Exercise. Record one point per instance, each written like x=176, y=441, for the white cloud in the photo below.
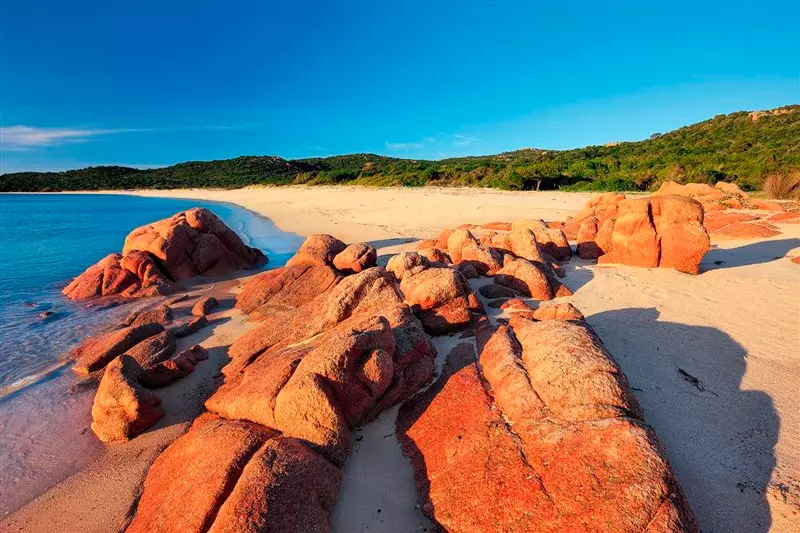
x=463, y=140
x=403, y=146
x=27, y=137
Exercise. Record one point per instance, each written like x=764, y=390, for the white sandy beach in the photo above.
x=733, y=439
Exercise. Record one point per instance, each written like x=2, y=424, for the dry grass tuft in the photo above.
x=783, y=185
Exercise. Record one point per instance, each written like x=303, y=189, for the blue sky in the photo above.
x=153, y=83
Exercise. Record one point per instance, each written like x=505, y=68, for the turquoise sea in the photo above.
x=47, y=239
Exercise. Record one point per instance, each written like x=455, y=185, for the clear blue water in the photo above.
x=47, y=239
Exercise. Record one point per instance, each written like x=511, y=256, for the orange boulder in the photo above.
x=355, y=258
x=122, y=408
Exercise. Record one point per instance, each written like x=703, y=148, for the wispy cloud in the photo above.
x=463, y=140
x=439, y=141
x=403, y=146
x=27, y=137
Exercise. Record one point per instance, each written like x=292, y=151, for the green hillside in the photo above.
x=740, y=147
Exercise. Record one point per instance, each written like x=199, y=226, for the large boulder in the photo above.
x=193, y=242
x=285, y=486
x=634, y=241
x=525, y=277
x=368, y=292
x=188, y=244
x=161, y=314
x=401, y=263
x=463, y=247
x=553, y=241
x=553, y=442
x=106, y=278
x=665, y=231
x=440, y=297
x=355, y=258
x=317, y=250
x=192, y=478
x=204, y=306
x=683, y=240
x=96, y=352
x=285, y=288
x=155, y=349
x=318, y=394
x=122, y=408
x=232, y=475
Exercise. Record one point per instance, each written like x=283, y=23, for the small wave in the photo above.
x=32, y=379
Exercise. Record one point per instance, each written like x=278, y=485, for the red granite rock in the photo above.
x=96, y=352
x=355, y=258
x=285, y=288
x=192, y=243
x=161, y=314
x=560, y=311
x=633, y=241
x=682, y=239
x=525, y=277
x=317, y=250
x=718, y=219
x=502, y=226
x=553, y=442
x=401, y=263
x=204, y=306
x=154, y=349
x=440, y=297
x=106, y=278
x=189, y=482
x=435, y=255
x=122, y=408
x=285, y=486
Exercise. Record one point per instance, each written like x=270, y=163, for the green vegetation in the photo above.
x=740, y=147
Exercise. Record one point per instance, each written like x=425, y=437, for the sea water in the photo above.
x=47, y=239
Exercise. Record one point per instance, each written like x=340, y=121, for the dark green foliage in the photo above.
x=733, y=148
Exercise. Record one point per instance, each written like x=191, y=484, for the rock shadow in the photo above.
x=385, y=243
x=719, y=438
x=754, y=253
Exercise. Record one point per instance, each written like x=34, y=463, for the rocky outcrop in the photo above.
x=463, y=247
x=285, y=288
x=154, y=349
x=401, y=263
x=188, y=244
x=232, y=475
x=166, y=372
x=553, y=242
x=660, y=231
x=525, y=277
x=192, y=243
x=280, y=428
x=161, y=314
x=204, y=306
x=96, y=352
x=122, y=408
x=317, y=250
x=355, y=258
x=440, y=297
x=542, y=429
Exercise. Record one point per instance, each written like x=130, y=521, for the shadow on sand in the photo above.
x=718, y=437
x=754, y=253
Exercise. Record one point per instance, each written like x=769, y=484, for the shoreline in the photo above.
x=732, y=445
x=60, y=404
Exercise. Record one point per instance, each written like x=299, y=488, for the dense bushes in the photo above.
x=739, y=147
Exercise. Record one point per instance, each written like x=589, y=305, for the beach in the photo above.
x=713, y=359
